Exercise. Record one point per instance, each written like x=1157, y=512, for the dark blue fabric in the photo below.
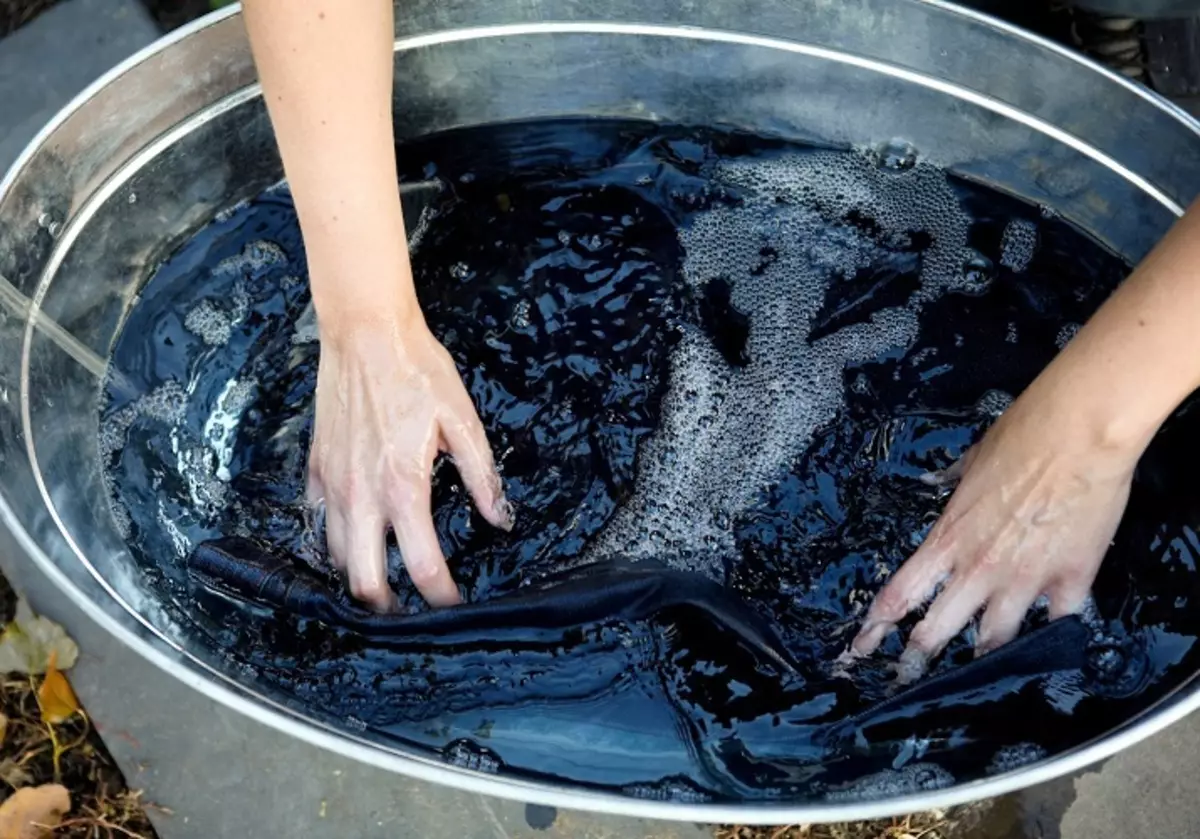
x=1058, y=647
x=244, y=570
x=612, y=590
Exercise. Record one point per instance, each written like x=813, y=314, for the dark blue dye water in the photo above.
x=551, y=267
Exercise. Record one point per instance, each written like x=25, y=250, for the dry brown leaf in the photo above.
x=55, y=697
x=28, y=641
x=33, y=812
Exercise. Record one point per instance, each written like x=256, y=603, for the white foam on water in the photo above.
x=1066, y=335
x=213, y=323
x=1018, y=244
x=166, y=404
x=726, y=434
x=993, y=403
x=220, y=429
x=1009, y=758
x=197, y=465
x=255, y=257
x=918, y=777
x=305, y=329
x=209, y=323
x=468, y=756
x=229, y=212
x=181, y=543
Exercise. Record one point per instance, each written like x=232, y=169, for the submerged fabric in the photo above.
x=615, y=591
x=611, y=590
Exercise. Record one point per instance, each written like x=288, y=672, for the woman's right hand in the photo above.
x=1038, y=502
x=389, y=398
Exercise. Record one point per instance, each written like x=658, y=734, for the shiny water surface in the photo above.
x=722, y=352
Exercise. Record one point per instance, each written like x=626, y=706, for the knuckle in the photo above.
x=401, y=494
x=424, y=571
x=990, y=558
x=892, y=603
x=349, y=488
x=371, y=588
x=925, y=636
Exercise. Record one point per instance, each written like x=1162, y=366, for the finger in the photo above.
x=951, y=611
x=412, y=521
x=366, y=568
x=952, y=474
x=912, y=585
x=1068, y=598
x=335, y=537
x=1002, y=620
x=314, y=492
x=467, y=443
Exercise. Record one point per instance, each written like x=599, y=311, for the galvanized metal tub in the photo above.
x=174, y=135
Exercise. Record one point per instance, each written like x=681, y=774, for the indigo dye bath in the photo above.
x=724, y=356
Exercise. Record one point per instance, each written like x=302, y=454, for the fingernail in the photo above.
x=912, y=666
x=503, y=512
x=871, y=636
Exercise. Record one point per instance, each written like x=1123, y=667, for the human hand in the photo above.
x=388, y=399
x=1038, y=503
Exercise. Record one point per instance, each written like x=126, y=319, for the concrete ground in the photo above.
x=221, y=774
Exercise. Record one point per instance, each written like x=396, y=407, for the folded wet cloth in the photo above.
x=611, y=590
x=721, y=757
x=1058, y=647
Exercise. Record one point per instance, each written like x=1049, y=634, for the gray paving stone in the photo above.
x=45, y=63
x=1149, y=790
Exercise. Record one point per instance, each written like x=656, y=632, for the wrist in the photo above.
x=342, y=317
x=1102, y=417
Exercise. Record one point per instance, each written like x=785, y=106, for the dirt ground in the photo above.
x=35, y=752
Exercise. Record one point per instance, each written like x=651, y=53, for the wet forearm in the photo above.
x=1139, y=356
x=326, y=71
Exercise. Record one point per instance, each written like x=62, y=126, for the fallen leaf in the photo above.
x=33, y=812
x=13, y=774
x=28, y=641
x=55, y=697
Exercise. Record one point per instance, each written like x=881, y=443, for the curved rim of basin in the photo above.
x=218, y=686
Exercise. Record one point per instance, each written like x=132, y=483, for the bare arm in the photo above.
x=1139, y=356
x=326, y=71
x=1042, y=494
x=388, y=395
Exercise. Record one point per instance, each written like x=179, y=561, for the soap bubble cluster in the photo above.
x=466, y=755
x=727, y=433
x=166, y=404
x=210, y=323
x=220, y=429
x=993, y=403
x=894, y=783
x=1018, y=245
x=1066, y=334
x=1009, y=758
